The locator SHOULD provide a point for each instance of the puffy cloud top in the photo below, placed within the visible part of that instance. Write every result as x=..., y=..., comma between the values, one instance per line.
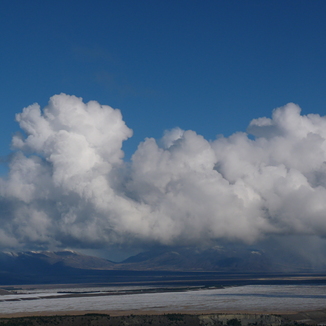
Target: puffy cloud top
x=69, y=186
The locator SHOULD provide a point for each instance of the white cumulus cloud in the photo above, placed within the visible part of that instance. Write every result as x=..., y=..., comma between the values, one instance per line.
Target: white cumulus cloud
x=69, y=186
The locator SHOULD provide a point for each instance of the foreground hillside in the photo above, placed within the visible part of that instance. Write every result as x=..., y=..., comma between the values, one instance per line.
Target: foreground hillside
x=153, y=320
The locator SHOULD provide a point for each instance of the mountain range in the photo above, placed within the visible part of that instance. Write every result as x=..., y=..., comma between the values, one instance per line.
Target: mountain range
x=182, y=259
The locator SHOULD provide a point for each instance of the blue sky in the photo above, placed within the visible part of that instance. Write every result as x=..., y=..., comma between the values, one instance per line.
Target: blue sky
x=208, y=66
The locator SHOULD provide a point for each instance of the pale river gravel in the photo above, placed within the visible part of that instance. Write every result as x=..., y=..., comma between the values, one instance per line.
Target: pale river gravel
x=259, y=298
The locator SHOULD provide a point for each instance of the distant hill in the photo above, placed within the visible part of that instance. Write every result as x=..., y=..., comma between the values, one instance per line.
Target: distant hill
x=42, y=260
x=189, y=259
x=48, y=267
x=70, y=266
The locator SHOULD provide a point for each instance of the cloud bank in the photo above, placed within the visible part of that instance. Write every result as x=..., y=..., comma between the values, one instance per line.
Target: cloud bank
x=69, y=186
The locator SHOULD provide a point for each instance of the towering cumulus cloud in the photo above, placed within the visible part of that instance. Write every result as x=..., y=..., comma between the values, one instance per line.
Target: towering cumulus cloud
x=69, y=186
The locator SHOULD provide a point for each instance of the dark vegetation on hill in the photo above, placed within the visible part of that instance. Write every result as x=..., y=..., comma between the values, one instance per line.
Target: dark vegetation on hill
x=151, y=320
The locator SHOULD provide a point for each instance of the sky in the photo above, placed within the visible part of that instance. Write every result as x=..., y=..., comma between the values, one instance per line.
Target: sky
x=189, y=136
